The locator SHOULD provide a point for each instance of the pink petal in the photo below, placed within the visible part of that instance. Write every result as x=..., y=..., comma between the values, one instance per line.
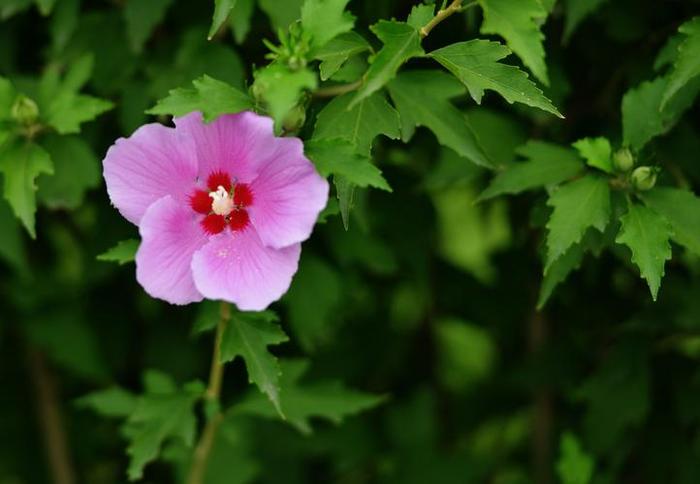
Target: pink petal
x=170, y=234
x=231, y=143
x=153, y=162
x=288, y=195
x=237, y=267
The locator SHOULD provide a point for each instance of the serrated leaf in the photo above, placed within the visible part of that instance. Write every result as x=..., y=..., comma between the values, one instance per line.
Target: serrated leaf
x=360, y=124
x=687, y=63
x=141, y=18
x=576, y=11
x=69, y=110
x=422, y=98
x=577, y=205
x=324, y=19
x=401, y=42
x=545, y=164
x=21, y=162
x=210, y=96
x=558, y=271
x=123, y=252
x=647, y=235
x=222, y=9
x=337, y=156
x=681, y=208
x=76, y=170
x=420, y=15
x=597, y=152
x=281, y=88
x=112, y=402
x=240, y=19
x=574, y=465
x=300, y=402
x=281, y=14
x=337, y=51
x=248, y=335
x=518, y=22
x=159, y=416
x=11, y=244
x=475, y=64
x=642, y=116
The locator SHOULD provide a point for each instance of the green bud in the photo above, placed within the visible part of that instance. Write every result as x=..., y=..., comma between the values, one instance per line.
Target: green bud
x=24, y=110
x=644, y=178
x=623, y=160
x=295, y=119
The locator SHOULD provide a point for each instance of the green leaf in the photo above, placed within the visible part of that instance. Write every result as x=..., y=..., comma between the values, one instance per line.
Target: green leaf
x=315, y=281
x=112, y=402
x=518, y=22
x=475, y=64
x=576, y=11
x=210, y=96
x=69, y=110
x=597, y=152
x=123, y=252
x=337, y=51
x=422, y=98
x=546, y=164
x=401, y=42
x=642, y=115
x=336, y=156
x=248, y=335
x=681, y=209
x=360, y=124
x=240, y=19
x=76, y=170
x=159, y=415
x=420, y=15
x=63, y=23
x=21, y=162
x=222, y=9
x=558, y=271
x=141, y=18
x=282, y=14
x=647, y=234
x=281, y=88
x=300, y=402
x=324, y=19
x=574, y=466
x=687, y=64
x=208, y=316
x=345, y=193
x=8, y=94
x=577, y=205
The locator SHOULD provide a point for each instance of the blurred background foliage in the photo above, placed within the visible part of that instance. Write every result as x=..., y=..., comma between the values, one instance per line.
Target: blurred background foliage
x=428, y=299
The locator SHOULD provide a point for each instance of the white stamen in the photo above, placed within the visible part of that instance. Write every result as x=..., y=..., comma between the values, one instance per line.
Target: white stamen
x=222, y=203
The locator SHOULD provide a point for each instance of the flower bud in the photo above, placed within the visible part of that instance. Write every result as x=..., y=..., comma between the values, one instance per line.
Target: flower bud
x=644, y=178
x=623, y=160
x=294, y=119
x=24, y=110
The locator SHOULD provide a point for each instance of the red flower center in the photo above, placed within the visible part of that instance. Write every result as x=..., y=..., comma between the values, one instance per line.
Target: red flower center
x=223, y=205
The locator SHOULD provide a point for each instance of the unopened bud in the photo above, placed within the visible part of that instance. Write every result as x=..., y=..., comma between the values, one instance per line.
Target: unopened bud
x=24, y=110
x=644, y=178
x=294, y=119
x=623, y=160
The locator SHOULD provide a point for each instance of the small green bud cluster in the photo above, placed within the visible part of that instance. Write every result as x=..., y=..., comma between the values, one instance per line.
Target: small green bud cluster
x=24, y=110
x=644, y=178
x=623, y=160
x=293, y=49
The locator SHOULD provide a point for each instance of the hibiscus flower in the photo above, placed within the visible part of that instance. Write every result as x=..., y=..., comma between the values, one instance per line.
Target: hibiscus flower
x=222, y=208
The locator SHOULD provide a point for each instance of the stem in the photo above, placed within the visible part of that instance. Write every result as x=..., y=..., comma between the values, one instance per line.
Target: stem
x=337, y=90
x=442, y=14
x=51, y=420
x=211, y=396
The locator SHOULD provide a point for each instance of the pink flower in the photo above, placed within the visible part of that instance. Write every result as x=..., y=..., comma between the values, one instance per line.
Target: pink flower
x=222, y=208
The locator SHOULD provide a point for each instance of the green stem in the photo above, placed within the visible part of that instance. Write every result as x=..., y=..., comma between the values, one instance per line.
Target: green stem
x=338, y=89
x=201, y=453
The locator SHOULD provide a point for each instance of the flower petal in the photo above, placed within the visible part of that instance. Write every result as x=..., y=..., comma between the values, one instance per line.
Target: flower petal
x=153, y=162
x=230, y=144
x=170, y=234
x=237, y=267
x=288, y=195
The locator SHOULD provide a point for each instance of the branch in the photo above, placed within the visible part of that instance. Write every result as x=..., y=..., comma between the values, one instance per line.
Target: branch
x=442, y=14
x=211, y=397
